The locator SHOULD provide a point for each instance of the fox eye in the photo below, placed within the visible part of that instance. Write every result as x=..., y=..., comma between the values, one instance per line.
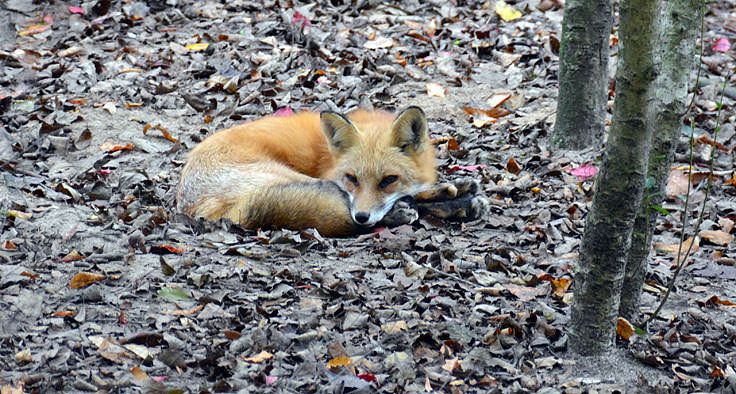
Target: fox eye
x=388, y=180
x=352, y=179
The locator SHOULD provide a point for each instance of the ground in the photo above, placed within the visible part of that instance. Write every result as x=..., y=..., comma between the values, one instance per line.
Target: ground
x=104, y=287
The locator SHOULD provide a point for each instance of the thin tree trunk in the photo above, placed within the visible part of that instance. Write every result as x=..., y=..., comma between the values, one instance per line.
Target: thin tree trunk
x=619, y=188
x=666, y=108
x=583, y=91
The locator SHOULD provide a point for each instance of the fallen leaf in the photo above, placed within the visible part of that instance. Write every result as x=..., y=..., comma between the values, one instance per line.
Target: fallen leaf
x=483, y=120
x=83, y=279
x=624, y=329
x=72, y=256
x=726, y=224
x=559, y=286
x=493, y=112
x=200, y=46
x=166, y=248
x=9, y=245
x=76, y=10
x=8, y=389
x=583, y=172
x=24, y=356
x=34, y=29
x=427, y=385
x=110, y=147
x=379, y=42
x=110, y=107
x=19, y=214
x=301, y=20
x=396, y=327
x=721, y=45
x=138, y=374
x=452, y=365
x=678, y=178
x=163, y=131
x=271, y=379
x=260, y=357
x=339, y=362
x=506, y=12
x=368, y=377
x=526, y=293
x=63, y=314
x=512, y=167
x=714, y=300
x=185, y=312
x=435, y=90
x=497, y=99
x=717, y=237
x=673, y=248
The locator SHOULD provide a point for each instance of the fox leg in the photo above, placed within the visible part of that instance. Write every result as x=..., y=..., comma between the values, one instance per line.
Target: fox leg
x=462, y=200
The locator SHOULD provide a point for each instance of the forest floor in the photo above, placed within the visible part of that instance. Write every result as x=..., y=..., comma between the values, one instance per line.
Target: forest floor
x=103, y=287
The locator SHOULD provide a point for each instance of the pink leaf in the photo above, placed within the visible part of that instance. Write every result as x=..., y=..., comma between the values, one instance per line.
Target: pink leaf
x=583, y=172
x=474, y=168
x=300, y=19
x=283, y=111
x=722, y=45
x=271, y=379
x=76, y=10
x=48, y=19
x=159, y=378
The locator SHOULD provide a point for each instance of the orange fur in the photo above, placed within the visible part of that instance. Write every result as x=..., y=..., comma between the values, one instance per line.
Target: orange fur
x=295, y=171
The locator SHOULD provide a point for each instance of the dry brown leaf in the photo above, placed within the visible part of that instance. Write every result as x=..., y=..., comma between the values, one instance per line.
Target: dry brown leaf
x=624, y=329
x=138, y=374
x=9, y=245
x=260, y=357
x=512, y=166
x=34, y=29
x=111, y=147
x=673, y=248
x=677, y=181
x=163, y=131
x=339, y=362
x=72, y=256
x=526, y=293
x=83, y=279
x=717, y=237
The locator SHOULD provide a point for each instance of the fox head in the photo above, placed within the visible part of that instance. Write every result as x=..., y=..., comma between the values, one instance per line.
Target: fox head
x=379, y=159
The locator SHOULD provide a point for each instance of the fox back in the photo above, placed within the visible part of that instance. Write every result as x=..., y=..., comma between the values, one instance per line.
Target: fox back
x=336, y=173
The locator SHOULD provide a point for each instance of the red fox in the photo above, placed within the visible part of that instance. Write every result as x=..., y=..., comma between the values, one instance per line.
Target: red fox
x=341, y=175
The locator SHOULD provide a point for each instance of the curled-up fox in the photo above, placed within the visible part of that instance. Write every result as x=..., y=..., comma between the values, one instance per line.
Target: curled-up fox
x=342, y=175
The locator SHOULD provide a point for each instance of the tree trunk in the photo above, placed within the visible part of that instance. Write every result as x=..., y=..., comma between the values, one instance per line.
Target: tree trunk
x=679, y=29
x=619, y=187
x=583, y=91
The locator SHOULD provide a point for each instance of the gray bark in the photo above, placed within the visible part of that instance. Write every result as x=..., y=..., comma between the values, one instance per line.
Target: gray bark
x=619, y=187
x=583, y=91
x=666, y=108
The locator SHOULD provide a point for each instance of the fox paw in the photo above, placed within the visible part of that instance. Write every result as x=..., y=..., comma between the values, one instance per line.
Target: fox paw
x=468, y=203
x=404, y=211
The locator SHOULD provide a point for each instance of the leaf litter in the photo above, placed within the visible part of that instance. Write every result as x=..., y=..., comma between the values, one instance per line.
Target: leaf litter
x=105, y=287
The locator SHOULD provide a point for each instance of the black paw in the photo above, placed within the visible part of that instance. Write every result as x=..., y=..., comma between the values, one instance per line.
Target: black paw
x=469, y=204
x=404, y=211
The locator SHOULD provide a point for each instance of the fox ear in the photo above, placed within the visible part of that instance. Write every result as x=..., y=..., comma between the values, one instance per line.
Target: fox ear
x=340, y=131
x=410, y=131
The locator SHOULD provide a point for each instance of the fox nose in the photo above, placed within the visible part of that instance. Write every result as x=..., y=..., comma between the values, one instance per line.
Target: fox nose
x=362, y=217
